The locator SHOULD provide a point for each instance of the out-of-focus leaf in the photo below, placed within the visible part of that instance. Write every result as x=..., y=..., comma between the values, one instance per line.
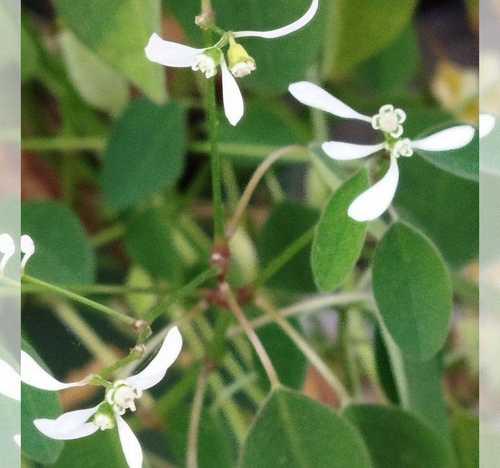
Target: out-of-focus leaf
x=288, y=360
x=149, y=242
x=359, y=29
x=38, y=404
x=287, y=222
x=384, y=370
x=279, y=61
x=29, y=55
x=140, y=303
x=118, y=31
x=145, y=153
x=63, y=252
x=396, y=438
x=293, y=431
x=339, y=239
x=96, y=81
x=465, y=434
x=413, y=291
x=103, y=449
x=379, y=73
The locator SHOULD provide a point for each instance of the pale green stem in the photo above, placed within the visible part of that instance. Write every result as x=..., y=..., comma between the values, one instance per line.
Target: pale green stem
x=194, y=423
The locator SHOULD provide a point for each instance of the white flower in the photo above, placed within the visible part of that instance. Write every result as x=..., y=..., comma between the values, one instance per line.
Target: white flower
x=487, y=124
x=172, y=54
x=27, y=249
x=10, y=386
x=120, y=396
x=376, y=200
x=7, y=249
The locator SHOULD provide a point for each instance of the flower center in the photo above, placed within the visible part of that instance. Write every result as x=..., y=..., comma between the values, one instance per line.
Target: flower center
x=243, y=68
x=400, y=148
x=206, y=65
x=104, y=421
x=122, y=397
x=389, y=122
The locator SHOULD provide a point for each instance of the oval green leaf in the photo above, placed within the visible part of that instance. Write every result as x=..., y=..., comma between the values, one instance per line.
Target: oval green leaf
x=38, y=404
x=63, y=253
x=413, y=291
x=339, y=239
x=293, y=431
x=118, y=31
x=145, y=153
x=396, y=438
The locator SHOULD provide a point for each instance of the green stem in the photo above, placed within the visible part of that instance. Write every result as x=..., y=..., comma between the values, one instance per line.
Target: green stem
x=99, y=289
x=108, y=235
x=286, y=256
x=215, y=160
x=194, y=423
x=176, y=296
x=80, y=300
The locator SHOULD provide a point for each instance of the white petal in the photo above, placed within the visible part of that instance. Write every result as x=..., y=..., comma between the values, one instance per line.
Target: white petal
x=372, y=203
x=27, y=248
x=284, y=31
x=449, y=139
x=68, y=426
x=154, y=372
x=170, y=54
x=7, y=248
x=10, y=382
x=313, y=96
x=33, y=374
x=486, y=125
x=130, y=445
x=17, y=440
x=346, y=151
x=234, y=106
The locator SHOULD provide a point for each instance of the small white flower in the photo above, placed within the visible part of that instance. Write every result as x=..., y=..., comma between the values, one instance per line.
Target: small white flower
x=27, y=249
x=206, y=65
x=172, y=54
x=7, y=249
x=119, y=398
x=389, y=120
x=376, y=200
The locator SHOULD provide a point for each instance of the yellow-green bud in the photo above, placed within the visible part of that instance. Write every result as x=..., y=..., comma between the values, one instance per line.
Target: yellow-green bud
x=240, y=62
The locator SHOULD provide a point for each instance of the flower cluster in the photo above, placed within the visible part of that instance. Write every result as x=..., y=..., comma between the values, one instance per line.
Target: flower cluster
x=238, y=64
x=120, y=396
x=389, y=120
x=8, y=249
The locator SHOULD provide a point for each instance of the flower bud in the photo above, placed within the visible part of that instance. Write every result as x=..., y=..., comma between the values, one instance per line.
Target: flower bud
x=104, y=419
x=240, y=63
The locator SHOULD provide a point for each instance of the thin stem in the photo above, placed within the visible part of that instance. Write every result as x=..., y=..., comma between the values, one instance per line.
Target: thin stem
x=215, y=159
x=194, y=424
x=252, y=336
x=99, y=289
x=81, y=300
x=307, y=350
x=176, y=296
x=108, y=235
x=306, y=307
x=252, y=186
x=349, y=354
x=284, y=257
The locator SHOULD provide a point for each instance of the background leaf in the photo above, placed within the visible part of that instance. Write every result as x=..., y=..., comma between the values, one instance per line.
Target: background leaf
x=118, y=31
x=63, y=252
x=338, y=240
x=145, y=153
x=396, y=438
x=38, y=404
x=413, y=291
x=293, y=431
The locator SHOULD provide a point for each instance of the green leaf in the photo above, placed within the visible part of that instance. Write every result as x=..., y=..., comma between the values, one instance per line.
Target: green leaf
x=149, y=242
x=118, y=31
x=379, y=73
x=288, y=360
x=413, y=291
x=293, y=431
x=396, y=438
x=463, y=162
x=63, y=252
x=359, y=29
x=338, y=240
x=384, y=369
x=465, y=433
x=102, y=449
x=279, y=61
x=96, y=81
x=287, y=222
x=38, y=404
x=145, y=153
x=434, y=200
x=30, y=60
